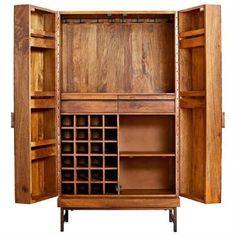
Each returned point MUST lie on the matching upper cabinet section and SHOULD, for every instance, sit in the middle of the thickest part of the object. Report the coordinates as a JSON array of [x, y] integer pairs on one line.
[[118, 53]]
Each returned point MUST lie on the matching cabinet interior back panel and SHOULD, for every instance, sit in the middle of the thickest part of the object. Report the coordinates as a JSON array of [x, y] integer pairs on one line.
[[118, 57]]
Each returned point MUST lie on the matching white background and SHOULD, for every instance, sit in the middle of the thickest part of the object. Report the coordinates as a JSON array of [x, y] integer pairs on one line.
[[43, 218]]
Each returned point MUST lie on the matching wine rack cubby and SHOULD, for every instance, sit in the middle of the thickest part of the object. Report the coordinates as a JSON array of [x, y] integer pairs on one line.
[[89, 154]]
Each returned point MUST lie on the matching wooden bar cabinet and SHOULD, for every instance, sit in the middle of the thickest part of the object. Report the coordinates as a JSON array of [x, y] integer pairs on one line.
[[118, 110]]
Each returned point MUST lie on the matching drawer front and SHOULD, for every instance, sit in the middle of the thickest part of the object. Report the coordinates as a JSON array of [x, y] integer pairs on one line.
[[142, 106], [89, 106]]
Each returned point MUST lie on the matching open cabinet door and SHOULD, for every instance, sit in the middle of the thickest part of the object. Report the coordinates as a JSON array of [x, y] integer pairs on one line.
[[200, 103], [35, 104]]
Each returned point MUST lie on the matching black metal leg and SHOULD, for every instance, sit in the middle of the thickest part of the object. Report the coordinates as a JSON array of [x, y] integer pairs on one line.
[[66, 216], [173, 218], [170, 212], [62, 219]]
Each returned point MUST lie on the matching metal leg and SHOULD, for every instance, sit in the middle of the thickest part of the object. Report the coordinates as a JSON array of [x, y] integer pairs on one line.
[[173, 218], [170, 212], [66, 216], [62, 219]]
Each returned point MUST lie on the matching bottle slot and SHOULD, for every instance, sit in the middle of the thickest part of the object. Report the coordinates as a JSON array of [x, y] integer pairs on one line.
[[67, 148], [96, 148], [96, 175], [111, 175], [82, 120], [111, 161], [96, 134], [110, 134], [96, 161], [67, 161], [82, 188], [82, 175], [96, 120], [111, 189], [82, 134], [82, 161], [67, 134], [82, 148], [68, 189], [67, 120], [67, 175], [96, 189], [110, 120], [111, 148]]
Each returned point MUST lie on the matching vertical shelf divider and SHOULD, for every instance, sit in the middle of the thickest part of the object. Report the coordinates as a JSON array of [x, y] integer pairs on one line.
[[74, 154], [118, 153], [89, 154], [103, 155]]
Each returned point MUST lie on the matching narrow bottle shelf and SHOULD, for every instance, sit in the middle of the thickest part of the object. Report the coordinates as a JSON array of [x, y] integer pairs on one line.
[[147, 191], [192, 103], [192, 42], [42, 33], [42, 103], [192, 33], [42, 94], [43, 153], [193, 93], [44, 142], [42, 43], [145, 154]]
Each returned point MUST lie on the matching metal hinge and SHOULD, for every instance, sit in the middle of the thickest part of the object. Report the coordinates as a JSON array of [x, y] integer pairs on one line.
[[223, 120], [12, 120]]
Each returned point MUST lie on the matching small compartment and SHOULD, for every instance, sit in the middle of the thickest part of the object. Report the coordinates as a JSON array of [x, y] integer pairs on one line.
[[111, 175], [82, 120], [42, 21], [96, 161], [96, 175], [96, 120], [110, 134], [82, 161], [111, 189], [111, 120], [147, 134], [96, 134], [82, 148], [67, 134], [111, 161], [142, 175], [67, 175], [96, 189], [67, 120], [82, 188], [110, 148], [82, 134], [67, 148], [67, 161], [42, 68], [67, 189], [82, 175], [96, 148]]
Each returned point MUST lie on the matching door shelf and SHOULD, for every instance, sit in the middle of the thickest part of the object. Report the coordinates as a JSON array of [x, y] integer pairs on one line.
[[145, 154]]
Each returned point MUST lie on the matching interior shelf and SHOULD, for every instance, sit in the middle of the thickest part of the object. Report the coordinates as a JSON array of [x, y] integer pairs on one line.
[[42, 103], [42, 33], [42, 94], [43, 153], [44, 142], [145, 154], [193, 93], [42, 43], [192, 103], [192, 42], [191, 33], [147, 191]]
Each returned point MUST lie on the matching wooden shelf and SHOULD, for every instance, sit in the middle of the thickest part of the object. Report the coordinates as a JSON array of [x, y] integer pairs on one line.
[[42, 196], [43, 153], [42, 43], [192, 33], [117, 96], [147, 191], [42, 33], [44, 142], [193, 93], [146, 154], [192, 42], [42, 103], [42, 94], [192, 103]]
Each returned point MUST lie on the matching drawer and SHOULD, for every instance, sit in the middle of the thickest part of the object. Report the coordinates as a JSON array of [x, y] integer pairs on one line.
[[146, 106], [93, 106]]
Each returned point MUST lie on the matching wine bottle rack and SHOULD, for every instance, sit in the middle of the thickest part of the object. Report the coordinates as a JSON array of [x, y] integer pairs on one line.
[[89, 154]]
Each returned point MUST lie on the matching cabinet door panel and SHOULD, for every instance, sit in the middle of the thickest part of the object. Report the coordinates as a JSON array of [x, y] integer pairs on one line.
[[35, 104], [200, 120]]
